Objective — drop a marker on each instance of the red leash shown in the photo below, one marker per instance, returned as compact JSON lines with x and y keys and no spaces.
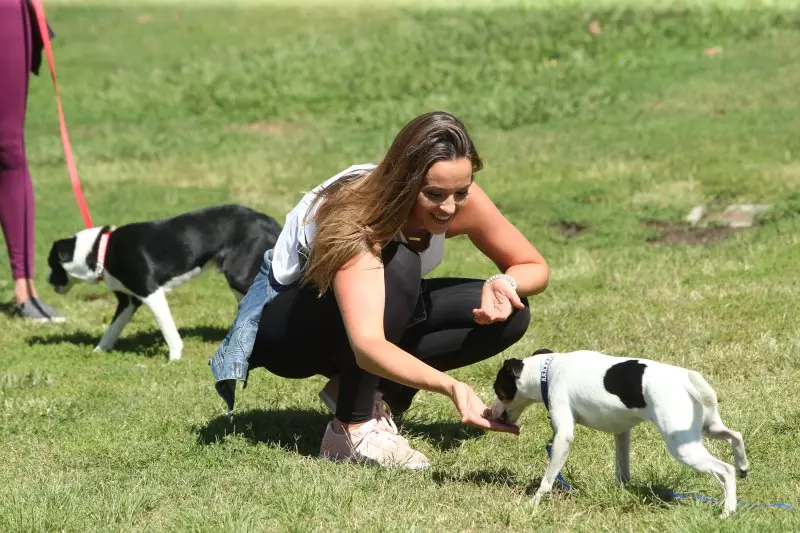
{"x":73,"y":170}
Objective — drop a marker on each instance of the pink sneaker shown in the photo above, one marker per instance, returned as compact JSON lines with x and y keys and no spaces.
{"x":372,"y":444}
{"x":382,"y":413}
{"x":380,"y":409}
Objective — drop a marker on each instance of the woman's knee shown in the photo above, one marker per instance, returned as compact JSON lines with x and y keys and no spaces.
{"x":517,"y":324}
{"x":12,"y":154}
{"x":506,"y":334}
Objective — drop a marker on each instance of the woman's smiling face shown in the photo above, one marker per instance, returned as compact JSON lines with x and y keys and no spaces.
{"x":442,"y":197}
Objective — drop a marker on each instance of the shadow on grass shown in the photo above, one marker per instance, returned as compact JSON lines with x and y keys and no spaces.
{"x":299,"y":430}
{"x":656,"y":495}
{"x":147,"y":343}
{"x":442,"y":435}
{"x":302,"y":430}
{"x":503,"y":477}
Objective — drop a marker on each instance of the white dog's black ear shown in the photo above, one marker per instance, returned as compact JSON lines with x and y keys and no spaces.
{"x":540,"y":351}
{"x":513,"y":367}
{"x":505,"y":384}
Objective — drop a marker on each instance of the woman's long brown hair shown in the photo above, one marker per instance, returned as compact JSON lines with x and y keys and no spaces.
{"x":362,"y":214}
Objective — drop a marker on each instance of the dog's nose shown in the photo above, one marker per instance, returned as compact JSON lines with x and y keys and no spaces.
{"x":497,"y":409}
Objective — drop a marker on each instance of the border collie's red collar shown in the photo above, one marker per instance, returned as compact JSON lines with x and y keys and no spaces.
{"x":102,"y":251}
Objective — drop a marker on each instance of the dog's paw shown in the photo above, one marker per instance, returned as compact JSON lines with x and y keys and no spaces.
{"x":175,"y":356}
{"x":743,"y":472}
{"x":101,"y":348}
{"x":726,"y":513}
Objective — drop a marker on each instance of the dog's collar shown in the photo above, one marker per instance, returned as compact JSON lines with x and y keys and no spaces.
{"x":545,"y":374}
{"x":102,"y":250}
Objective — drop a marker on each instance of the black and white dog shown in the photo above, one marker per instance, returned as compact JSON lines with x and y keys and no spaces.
{"x":141,"y":262}
{"x":614,"y":394}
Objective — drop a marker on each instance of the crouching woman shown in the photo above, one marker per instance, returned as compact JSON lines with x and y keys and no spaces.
{"x":343,"y":294}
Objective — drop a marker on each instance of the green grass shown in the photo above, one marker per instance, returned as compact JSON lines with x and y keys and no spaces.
{"x":173,"y":107}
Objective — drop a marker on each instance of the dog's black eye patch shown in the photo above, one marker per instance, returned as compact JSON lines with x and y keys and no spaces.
{"x":625,"y":381}
{"x":61,"y":252}
{"x":505,"y":385}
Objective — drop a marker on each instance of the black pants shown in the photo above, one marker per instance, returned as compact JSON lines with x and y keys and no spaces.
{"x":301,"y":335}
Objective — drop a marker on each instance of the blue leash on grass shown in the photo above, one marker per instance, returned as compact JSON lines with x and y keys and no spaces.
{"x":559,"y":478}
{"x":678,"y":496}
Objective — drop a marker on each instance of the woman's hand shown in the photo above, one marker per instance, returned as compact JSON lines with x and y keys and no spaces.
{"x":473,"y":411}
{"x":498,"y":300}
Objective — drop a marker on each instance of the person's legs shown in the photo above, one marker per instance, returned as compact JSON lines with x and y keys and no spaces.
{"x":16,"y":190}
{"x":16,"y":194}
{"x":301,"y":335}
{"x":449,"y":338}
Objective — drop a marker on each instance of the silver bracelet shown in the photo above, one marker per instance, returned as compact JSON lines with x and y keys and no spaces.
{"x":511,"y":281}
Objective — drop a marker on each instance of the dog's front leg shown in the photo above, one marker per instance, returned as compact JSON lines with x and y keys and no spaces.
{"x":126,"y":307}
{"x":563,"y":426}
{"x":623,"y":466}
{"x":157,"y":302}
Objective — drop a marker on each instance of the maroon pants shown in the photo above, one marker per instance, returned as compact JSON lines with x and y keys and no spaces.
{"x":16,"y":190}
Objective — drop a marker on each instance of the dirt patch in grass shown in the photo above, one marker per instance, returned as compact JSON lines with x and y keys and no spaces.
{"x":672,"y":233}
{"x":569,"y":229}
{"x":92,"y":297}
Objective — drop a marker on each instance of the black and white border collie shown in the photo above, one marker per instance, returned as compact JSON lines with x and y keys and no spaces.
{"x":141,"y":262}
{"x":614,"y":394}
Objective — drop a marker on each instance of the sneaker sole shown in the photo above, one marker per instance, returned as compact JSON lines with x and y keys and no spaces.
{"x":373,"y":462}
{"x":45,"y":320}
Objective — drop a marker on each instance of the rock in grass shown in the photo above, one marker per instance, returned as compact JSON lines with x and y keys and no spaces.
{"x":696,"y":215}
{"x":733,"y":216}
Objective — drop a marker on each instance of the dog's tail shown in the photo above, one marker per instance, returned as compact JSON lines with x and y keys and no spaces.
{"x":701,"y":391}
